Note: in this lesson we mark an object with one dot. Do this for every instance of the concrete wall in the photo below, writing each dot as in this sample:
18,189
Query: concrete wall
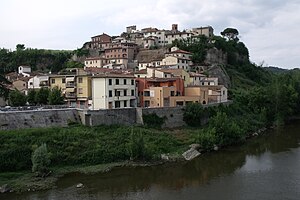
123,116
174,115
37,119
10,120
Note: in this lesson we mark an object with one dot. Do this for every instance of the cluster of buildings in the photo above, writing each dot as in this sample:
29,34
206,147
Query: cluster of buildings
102,88
121,51
125,73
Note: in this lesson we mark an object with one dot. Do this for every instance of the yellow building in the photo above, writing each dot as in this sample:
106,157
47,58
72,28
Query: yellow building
158,96
75,86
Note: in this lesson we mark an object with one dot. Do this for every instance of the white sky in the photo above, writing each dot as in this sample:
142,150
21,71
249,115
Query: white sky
269,28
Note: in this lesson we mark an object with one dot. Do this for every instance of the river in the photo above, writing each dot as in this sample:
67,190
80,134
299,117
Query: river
267,167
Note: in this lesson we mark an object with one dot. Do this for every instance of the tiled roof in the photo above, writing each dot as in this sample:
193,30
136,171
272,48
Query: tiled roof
143,71
179,51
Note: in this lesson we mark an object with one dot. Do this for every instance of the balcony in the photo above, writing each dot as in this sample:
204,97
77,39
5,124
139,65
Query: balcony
71,95
44,84
70,84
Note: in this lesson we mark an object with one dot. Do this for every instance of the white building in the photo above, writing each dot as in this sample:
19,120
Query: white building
38,81
24,70
113,91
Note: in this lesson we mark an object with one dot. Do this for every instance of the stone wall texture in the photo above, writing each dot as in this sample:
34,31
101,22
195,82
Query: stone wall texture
37,119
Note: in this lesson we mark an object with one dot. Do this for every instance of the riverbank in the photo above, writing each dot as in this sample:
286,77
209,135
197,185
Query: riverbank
27,181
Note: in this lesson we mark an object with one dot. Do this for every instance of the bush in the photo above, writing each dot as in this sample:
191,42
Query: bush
153,120
40,160
227,130
206,138
193,113
136,146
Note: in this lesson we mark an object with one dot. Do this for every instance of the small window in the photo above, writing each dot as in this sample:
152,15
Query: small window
125,92
172,93
80,80
109,81
117,81
31,83
63,80
132,82
125,82
117,104
80,90
125,103
132,92
52,81
110,93
117,93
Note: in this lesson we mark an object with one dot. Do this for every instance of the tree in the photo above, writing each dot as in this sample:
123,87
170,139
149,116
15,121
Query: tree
56,97
41,96
40,160
230,34
31,97
73,64
4,91
20,47
193,113
17,98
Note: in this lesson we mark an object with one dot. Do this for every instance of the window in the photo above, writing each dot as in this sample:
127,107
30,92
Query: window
125,103
125,82
117,81
52,81
80,90
109,81
117,104
125,92
79,80
132,92
117,93
110,93
63,80
132,82
172,93
31,83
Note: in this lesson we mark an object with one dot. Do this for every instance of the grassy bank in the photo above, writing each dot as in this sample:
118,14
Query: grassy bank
81,149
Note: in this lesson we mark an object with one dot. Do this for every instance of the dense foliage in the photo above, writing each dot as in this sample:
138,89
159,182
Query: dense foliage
83,145
38,59
152,120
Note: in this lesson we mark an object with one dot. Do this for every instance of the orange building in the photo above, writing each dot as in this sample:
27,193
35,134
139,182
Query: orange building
161,89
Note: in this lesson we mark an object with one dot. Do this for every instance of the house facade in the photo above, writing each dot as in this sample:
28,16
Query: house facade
113,91
101,41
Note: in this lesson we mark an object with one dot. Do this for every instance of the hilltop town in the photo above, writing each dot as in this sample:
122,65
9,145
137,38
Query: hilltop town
138,68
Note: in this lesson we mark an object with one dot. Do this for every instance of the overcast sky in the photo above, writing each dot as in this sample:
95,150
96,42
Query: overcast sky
269,28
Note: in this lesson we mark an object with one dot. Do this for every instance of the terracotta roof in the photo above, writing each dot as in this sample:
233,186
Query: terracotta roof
179,51
113,75
161,79
103,34
193,74
95,58
143,71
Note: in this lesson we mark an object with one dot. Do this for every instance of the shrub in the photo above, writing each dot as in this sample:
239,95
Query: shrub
192,114
153,120
40,160
136,146
206,138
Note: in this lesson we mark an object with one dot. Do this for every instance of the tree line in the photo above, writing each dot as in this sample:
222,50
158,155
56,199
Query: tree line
42,96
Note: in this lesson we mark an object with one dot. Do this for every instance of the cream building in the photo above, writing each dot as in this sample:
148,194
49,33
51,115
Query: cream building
113,91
